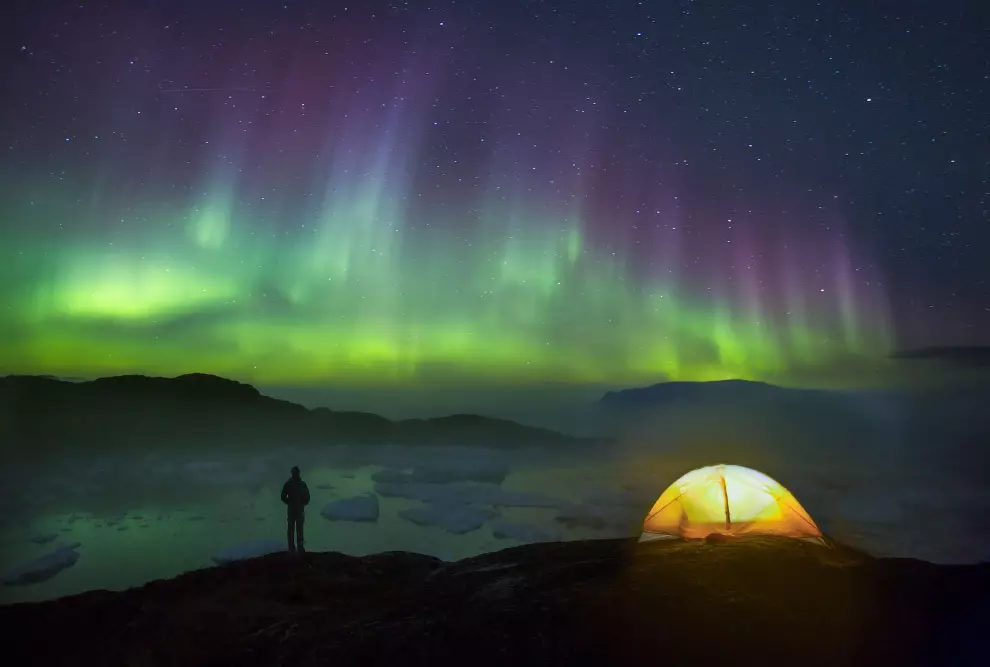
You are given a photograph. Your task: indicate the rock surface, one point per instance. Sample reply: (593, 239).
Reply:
(608, 602)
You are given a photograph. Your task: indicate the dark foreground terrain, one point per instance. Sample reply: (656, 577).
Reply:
(758, 601)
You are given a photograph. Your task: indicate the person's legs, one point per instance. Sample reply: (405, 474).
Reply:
(291, 521)
(300, 520)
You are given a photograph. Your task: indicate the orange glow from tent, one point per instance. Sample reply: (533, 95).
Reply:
(727, 500)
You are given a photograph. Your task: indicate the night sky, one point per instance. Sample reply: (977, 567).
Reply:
(580, 192)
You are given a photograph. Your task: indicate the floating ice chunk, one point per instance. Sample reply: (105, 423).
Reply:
(445, 474)
(456, 519)
(467, 494)
(249, 549)
(523, 532)
(44, 538)
(424, 492)
(356, 508)
(460, 473)
(43, 568)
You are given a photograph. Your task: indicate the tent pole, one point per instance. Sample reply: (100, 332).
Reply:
(725, 502)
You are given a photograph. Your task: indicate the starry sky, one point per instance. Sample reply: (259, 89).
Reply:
(409, 194)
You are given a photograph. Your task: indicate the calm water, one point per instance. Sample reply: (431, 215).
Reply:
(149, 518)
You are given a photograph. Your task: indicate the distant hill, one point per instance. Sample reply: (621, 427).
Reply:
(766, 424)
(739, 420)
(666, 394)
(971, 356)
(39, 415)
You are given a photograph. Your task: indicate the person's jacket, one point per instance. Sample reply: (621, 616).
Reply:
(295, 494)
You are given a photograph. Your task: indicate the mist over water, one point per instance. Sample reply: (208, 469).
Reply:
(896, 475)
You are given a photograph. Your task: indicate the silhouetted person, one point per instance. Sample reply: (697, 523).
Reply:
(295, 494)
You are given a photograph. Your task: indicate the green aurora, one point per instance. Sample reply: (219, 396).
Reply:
(362, 296)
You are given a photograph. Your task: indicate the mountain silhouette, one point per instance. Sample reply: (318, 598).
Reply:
(40, 415)
(667, 394)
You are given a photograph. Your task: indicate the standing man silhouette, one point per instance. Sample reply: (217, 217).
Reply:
(295, 494)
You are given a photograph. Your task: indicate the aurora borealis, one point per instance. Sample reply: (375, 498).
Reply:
(300, 193)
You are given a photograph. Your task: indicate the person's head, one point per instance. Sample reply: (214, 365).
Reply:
(295, 472)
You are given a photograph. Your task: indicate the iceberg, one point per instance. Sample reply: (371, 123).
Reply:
(456, 519)
(356, 508)
(467, 494)
(43, 568)
(443, 474)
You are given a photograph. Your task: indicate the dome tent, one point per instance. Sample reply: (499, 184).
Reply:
(727, 500)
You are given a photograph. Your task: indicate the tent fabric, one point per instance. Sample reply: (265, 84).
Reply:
(727, 500)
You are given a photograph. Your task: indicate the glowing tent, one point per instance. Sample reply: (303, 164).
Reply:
(727, 500)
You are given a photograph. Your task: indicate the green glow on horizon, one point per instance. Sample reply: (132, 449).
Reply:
(357, 298)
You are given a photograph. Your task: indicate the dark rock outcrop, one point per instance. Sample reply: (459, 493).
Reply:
(609, 602)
